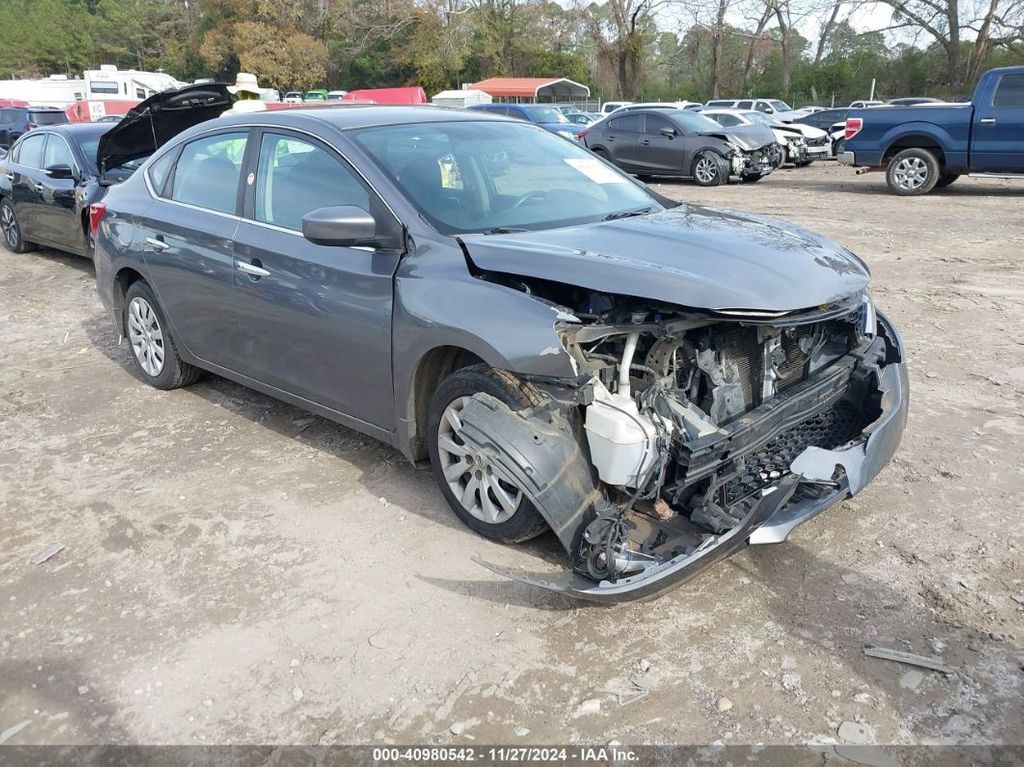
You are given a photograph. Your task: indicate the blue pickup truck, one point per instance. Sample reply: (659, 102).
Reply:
(930, 146)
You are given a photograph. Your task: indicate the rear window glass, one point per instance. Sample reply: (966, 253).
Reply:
(626, 123)
(208, 170)
(8, 116)
(1010, 92)
(48, 118)
(30, 151)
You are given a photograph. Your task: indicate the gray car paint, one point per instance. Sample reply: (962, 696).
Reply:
(437, 302)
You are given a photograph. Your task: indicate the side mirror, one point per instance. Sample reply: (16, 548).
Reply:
(668, 132)
(62, 171)
(345, 225)
(768, 111)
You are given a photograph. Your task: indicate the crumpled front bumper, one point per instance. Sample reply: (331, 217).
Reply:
(777, 513)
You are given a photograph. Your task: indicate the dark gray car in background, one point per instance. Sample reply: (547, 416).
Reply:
(680, 143)
(660, 384)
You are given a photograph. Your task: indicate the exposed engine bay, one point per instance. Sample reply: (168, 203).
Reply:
(681, 430)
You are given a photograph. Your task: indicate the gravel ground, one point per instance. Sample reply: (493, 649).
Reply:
(235, 570)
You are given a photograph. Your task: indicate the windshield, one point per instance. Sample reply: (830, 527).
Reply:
(491, 177)
(692, 121)
(780, 106)
(759, 118)
(546, 115)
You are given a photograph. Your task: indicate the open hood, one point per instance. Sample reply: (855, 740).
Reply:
(748, 137)
(158, 119)
(690, 256)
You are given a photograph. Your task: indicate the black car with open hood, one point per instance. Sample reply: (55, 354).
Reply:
(158, 119)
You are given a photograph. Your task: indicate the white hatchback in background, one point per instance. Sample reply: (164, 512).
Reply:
(802, 144)
(292, 97)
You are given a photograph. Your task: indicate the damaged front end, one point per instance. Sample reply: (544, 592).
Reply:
(689, 434)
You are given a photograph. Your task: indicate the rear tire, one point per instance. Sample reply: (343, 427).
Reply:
(709, 169)
(498, 511)
(11, 229)
(150, 343)
(839, 147)
(913, 172)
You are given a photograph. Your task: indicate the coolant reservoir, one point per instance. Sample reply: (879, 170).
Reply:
(623, 443)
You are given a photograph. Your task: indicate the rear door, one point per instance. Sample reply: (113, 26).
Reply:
(622, 138)
(26, 177)
(315, 320)
(188, 242)
(59, 219)
(998, 136)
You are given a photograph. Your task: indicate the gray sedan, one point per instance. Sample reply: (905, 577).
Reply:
(659, 384)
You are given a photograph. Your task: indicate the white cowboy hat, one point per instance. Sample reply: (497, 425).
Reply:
(245, 82)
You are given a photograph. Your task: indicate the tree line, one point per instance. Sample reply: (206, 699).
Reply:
(633, 49)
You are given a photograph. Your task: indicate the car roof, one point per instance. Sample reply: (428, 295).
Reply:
(76, 129)
(350, 117)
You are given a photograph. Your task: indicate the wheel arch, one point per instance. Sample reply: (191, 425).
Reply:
(915, 140)
(125, 277)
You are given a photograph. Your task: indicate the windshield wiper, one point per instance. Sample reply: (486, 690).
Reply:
(504, 230)
(628, 213)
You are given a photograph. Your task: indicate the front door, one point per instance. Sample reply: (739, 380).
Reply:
(27, 185)
(188, 244)
(998, 132)
(315, 320)
(659, 152)
(60, 215)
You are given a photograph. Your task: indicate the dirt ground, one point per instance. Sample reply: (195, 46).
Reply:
(235, 570)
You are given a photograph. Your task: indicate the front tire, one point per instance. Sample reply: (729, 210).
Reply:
(913, 172)
(150, 343)
(946, 180)
(11, 229)
(839, 147)
(709, 169)
(490, 507)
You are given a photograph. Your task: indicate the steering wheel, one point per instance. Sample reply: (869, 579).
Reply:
(538, 194)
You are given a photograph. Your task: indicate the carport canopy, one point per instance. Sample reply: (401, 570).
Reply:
(532, 88)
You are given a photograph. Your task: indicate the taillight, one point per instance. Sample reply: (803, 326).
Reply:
(853, 126)
(582, 134)
(96, 211)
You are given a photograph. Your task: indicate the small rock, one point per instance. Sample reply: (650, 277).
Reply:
(294, 663)
(862, 697)
(644, 665)
(457, 728)
(83, 689)
(911, 680)
(383, 501)
(208, 702)
(854, 732)
(296, 694)
(723, 704)
(791, 682)
(522, 732)
(588, 707)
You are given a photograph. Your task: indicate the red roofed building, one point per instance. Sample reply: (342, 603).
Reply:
(532, 88)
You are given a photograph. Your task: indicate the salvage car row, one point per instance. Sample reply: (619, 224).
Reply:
(659, 384)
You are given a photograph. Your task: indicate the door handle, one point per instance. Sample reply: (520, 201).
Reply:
(610, 138)
(39, 187)
(988, 121)
(156, 245)
(645, 142)
(253, 270)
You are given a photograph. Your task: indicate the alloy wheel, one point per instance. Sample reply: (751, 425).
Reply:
(706, 170)
(145, 336)
(910, 173)
(469, 473)
(10, 227)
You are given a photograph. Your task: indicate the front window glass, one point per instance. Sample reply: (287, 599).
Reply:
(57, 153)
(780, 106)
(296, 177)
(759, 118)
(208, 170)
(483, 176)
